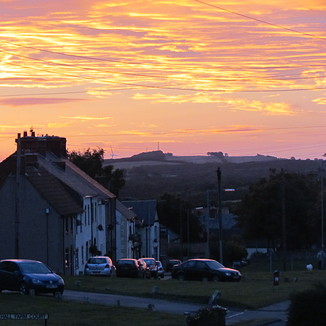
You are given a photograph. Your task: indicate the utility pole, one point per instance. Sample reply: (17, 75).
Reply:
(322, 204)
(283, 212)
(17, 194)
(219, 191)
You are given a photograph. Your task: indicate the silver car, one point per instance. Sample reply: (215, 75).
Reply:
(99, 265)
(160, 269)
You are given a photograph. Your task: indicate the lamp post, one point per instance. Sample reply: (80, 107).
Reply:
(322, 203)
(220, 224)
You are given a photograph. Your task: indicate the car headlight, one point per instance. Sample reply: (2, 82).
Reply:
(228, 274)
(61, 281)
(36, 281)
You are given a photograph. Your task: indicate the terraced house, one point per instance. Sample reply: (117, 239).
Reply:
(52, 211)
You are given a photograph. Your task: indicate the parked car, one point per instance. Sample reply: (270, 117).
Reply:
(160, 269)
(171, 263)
(204, 269)
(151, 266)
(99, 265)
(27, 275)
(128, 267)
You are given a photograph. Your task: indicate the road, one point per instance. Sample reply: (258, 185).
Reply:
(276, 312)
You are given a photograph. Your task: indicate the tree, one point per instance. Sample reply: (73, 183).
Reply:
(282, 209)
(176, 214)
(91, 162)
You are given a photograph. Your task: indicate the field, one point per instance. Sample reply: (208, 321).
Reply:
(255, 290)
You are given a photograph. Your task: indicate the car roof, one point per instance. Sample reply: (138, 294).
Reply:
(127, 259)
(201, 259)
(21, 260)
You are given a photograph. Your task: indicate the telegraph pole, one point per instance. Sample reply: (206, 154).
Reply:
(322, 204)
(220, 224)
(17, 194)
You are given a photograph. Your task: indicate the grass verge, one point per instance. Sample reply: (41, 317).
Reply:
(63, 313)
(254, 291)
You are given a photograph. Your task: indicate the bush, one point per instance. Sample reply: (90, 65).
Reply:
(307, 308)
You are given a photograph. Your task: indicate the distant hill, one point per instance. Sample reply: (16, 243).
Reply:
(158, 158)
(150, 175)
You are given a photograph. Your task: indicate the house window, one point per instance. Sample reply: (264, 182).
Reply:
(77, 259)
(67, 260)
(82, 255)
(67, 225)
(87, 250)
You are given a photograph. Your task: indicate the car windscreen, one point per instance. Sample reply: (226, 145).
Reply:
(213, 264)
(125, 262)
(149, 261)
(34, 268)
(97, 261)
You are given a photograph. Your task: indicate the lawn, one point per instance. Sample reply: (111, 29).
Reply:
(255, 290)
(63, 313)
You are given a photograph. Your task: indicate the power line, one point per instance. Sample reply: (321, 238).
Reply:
(137, 86)
(150, 76)
(260, 20)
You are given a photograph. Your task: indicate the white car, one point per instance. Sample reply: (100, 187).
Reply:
(160, 269)
(99, 265)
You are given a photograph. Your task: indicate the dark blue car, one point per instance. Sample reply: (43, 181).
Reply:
(26, 275)
(204, 269)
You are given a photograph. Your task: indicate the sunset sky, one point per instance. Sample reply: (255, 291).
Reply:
(244, 77)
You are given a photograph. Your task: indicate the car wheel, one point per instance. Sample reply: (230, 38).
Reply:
(181, 277)
(23, 289)
(57, 295)
(215, 279)
(205, 279)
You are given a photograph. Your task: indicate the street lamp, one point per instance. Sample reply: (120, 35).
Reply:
(322, 203)
(219, 216)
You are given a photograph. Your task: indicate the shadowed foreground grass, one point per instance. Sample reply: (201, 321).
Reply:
(63, 313)
(255, 290)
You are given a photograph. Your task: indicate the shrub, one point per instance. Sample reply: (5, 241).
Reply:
(307, 308)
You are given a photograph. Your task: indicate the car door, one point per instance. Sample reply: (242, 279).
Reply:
(200, 271)
(189, 270)
(10, 276)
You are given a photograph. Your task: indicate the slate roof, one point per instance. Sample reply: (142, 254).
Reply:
(145, 210)
(54, 191)
(123, 210)
(74, 177)
(59, 181)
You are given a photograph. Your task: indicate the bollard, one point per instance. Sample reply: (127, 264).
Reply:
(276, 277)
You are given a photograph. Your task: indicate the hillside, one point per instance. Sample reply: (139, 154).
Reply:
(150, 177)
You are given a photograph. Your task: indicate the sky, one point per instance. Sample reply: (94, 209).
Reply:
(186, 77)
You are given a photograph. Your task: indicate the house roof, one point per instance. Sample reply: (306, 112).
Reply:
(50, 188)
(7, 166)
(129, 214)
(74, 177)
(54, 191)
(58, 180)
(144, 209)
